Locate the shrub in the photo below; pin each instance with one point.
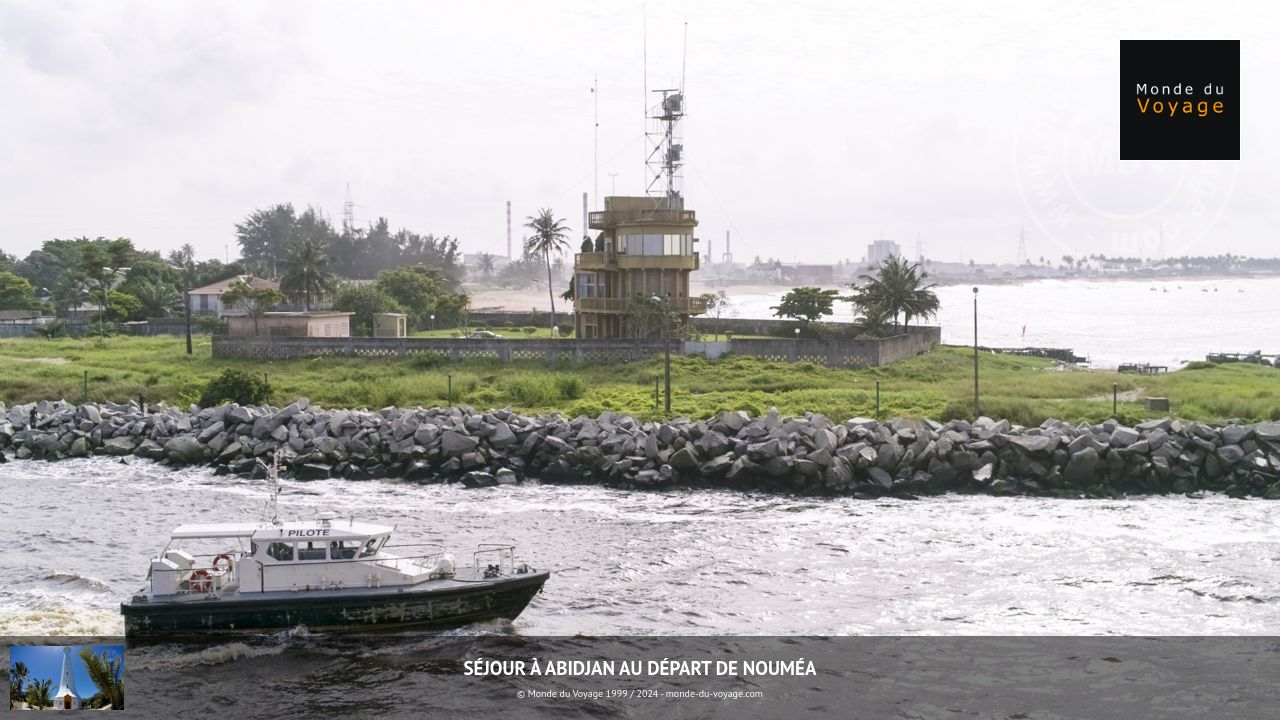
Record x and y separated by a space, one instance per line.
1200 365
236 386
50 330
101 328
570 387
211 325
528 330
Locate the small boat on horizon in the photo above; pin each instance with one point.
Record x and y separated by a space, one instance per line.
326 574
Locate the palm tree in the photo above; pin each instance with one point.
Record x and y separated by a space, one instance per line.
158 300
896 290
549 235
40 694
17 683
486 264
107 673
183 256
306 272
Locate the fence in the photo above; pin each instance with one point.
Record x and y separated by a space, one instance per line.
836 353
280 348
843 353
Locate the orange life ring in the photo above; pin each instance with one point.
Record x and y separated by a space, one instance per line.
220 558
201 581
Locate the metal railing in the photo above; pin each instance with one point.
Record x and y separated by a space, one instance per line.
678 305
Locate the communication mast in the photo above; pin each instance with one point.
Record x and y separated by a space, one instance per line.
1022 246
666 148
348 213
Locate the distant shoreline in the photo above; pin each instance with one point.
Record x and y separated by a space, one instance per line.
498 300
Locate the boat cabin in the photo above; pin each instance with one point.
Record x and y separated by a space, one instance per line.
322 554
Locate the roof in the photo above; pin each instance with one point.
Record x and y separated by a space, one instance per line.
214 530
222 286
307 314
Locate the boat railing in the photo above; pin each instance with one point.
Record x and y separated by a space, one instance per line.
414 564
498 552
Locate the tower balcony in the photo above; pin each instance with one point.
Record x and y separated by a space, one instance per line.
680 305
615 261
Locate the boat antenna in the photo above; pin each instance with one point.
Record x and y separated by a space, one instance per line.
274 474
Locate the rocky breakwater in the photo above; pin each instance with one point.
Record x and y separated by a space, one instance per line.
809 454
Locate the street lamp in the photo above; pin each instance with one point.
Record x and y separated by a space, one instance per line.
976 413
796 350
666 353
433 323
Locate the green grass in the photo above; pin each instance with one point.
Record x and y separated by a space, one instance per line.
937 385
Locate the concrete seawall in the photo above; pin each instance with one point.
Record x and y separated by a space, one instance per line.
810 454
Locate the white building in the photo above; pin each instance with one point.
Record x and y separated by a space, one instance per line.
67 698
880 250
207 300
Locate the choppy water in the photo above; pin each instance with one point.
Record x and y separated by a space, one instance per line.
78 534
1163 322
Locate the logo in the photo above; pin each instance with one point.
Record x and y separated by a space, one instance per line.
1179 99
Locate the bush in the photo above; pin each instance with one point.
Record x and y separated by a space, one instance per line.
1200 365
570 387
528 330
101 328
50 330
211 325
236 386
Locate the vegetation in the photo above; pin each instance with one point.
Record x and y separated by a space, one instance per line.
40 694
266 236
18 673
422 291
549 236
937 385
16 293
255 302
107 673
718 306
806 304
306 271
366 301
236 386
897 289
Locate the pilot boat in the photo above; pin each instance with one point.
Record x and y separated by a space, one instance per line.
327 574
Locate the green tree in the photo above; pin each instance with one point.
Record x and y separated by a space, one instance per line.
16 293
806 304
306 271
7 261
40 694
122 306
107 673
101 263
18 673
897 289
486 264
549 236
365 301
255 302
265 235
420 291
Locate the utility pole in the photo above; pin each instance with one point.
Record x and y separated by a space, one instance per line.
509 257
664 304
976 412
187 299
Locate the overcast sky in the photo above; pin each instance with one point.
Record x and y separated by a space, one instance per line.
813 127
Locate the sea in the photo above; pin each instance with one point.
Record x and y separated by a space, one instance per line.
1165 321
941 607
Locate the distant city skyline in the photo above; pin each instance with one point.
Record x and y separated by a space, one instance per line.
813 128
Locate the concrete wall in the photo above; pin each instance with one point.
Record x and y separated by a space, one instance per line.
836 353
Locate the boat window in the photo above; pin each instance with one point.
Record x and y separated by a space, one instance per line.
283 552
311 552
343 549
371 547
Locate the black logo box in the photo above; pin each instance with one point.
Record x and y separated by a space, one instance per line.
1189 65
